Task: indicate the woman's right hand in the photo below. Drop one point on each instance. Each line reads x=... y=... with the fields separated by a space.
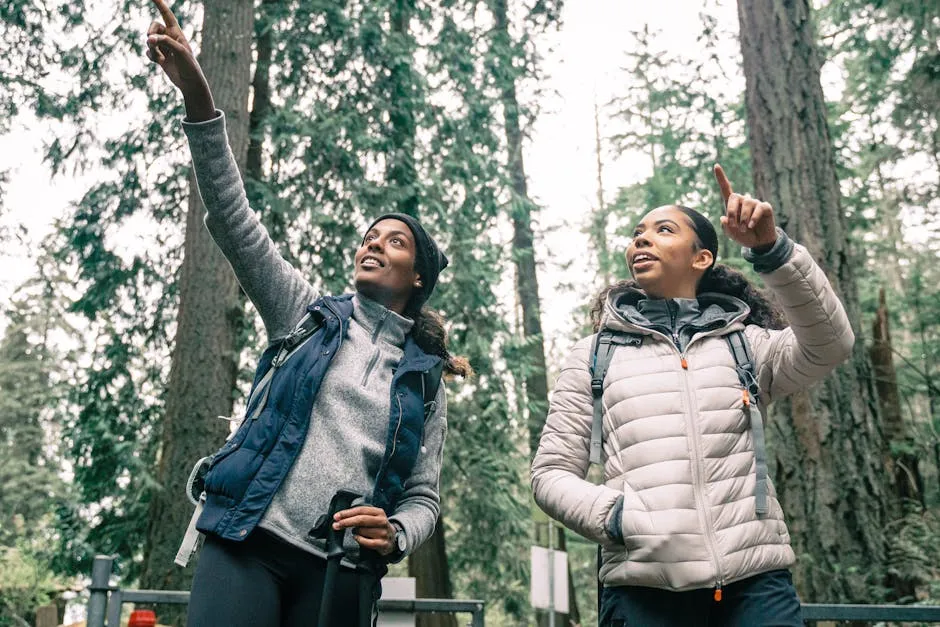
x=167 y=47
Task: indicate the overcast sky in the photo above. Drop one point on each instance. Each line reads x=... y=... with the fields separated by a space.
x=582 y=63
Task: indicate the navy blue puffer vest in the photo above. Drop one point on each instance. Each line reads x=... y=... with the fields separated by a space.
x=246 y=473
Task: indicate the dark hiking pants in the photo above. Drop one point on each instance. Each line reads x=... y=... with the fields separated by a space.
x=765 y=600
x=264 y=582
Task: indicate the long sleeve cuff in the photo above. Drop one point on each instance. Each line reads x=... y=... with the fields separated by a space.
x=772 y=259
x=615 y=521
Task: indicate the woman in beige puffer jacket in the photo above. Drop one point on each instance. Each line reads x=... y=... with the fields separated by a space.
x=677 y=515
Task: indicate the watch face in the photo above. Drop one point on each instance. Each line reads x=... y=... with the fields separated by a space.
x=400 y=540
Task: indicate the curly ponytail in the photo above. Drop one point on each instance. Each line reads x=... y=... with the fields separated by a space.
x=429 y=334
x=721 y=279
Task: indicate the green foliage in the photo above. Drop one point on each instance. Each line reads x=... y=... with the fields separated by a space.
x=26 y=583
x=887 y=129
x=32 y=384
x=914 y=553
x=376 y=106
x=676 y=112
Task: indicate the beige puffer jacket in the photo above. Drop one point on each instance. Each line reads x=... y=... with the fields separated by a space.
x=677 y=443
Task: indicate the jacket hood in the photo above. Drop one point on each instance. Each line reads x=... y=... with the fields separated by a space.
x=621 y=312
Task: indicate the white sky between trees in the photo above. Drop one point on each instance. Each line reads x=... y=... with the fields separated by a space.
x=582 y=64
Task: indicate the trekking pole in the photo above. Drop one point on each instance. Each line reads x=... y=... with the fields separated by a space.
x=343 y=499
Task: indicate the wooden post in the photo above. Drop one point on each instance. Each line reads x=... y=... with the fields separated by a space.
x=47 y=616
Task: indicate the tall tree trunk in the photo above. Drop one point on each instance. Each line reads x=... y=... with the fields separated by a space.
x=403 y=98
x=598 y=226
x=428 y=565
x=204 y=362
x=908 y=483
x=260 y=91
x=902 y=462
x=527 y=286
x=827 y=442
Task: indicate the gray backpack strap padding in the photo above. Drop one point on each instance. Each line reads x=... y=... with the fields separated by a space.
x=744 y=365
x=304 y=330
x=602 y=352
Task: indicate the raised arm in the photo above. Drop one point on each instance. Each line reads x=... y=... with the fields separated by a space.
x=820 y=336
x=168 y=47
x=278 y=291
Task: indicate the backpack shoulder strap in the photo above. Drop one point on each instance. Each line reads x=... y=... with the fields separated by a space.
x=744 y=362
x=744 y=365
x=602 y=351
x=307 y=326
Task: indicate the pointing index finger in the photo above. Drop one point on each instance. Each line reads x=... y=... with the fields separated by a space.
x=723 y=183
x=166 y=14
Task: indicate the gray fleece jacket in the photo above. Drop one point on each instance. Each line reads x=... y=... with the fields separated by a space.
x=349 y=421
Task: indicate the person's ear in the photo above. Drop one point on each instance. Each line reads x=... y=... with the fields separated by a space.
x=418 y=282
x=703 y=260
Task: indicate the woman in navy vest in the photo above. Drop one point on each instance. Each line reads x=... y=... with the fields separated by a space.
x=340 y=401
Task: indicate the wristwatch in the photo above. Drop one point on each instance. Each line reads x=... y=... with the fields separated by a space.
x=401 y=542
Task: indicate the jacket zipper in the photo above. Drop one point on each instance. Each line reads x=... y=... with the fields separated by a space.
x=672 y=324
x=697 y=468
x=375 y=352
x=698 y=483
x=397 y=427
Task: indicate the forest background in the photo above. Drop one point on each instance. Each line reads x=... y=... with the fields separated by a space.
x=530 y=135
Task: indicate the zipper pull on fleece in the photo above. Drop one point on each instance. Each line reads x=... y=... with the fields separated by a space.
x=718 y=593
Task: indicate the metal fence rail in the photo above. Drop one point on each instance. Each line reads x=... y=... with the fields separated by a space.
x=105 y=602
x=872 y=613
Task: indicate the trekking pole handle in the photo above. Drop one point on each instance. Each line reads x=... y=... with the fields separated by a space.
x=342 y=500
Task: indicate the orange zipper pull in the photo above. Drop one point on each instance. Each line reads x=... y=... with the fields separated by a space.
x=685 y=364
x=718 y=594
x=745 y=397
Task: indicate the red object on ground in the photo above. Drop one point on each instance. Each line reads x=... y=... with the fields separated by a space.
x=142 y=618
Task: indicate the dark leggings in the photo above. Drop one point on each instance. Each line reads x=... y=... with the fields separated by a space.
x=264 y=582
x=765 y=600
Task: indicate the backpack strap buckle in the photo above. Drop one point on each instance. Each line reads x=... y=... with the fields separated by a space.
x=602 y=352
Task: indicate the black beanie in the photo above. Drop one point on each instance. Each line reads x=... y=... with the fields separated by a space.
x=429 y=260
x=704 y=230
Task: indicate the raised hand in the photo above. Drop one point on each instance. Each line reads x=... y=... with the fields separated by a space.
x=748 y=221
x=167 y=47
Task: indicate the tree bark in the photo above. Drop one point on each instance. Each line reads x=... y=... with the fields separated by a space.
x=600 y=215
x=260 y=90
x=428 y=565
x=827 y=442
x=204 y=361
x=908 y=483
x=902 y=463
x=527 y=286
x=402 y=99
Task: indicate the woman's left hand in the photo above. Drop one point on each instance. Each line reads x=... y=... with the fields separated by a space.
x=370 y=526
x=748 y=221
